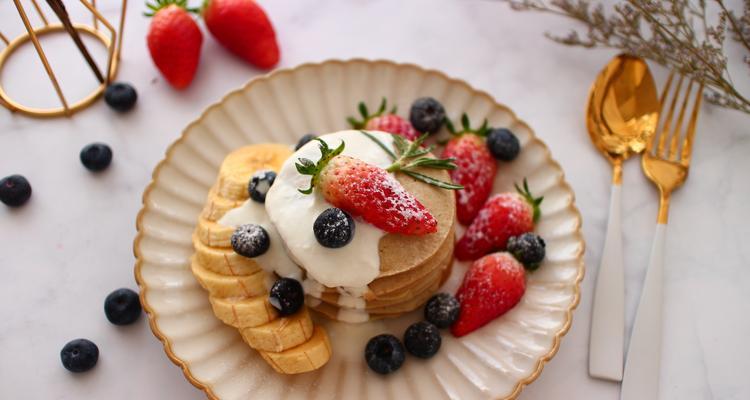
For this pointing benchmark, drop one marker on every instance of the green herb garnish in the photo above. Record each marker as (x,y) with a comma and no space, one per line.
(411,155)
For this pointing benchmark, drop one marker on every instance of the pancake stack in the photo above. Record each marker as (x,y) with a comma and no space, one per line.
(412,268)
(237,286)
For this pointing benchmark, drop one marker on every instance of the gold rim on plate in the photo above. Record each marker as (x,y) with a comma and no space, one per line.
(168,154)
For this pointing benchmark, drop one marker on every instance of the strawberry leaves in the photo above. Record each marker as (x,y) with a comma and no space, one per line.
(533,201)
(159,4)
(366,116)
(482,131)
(305,166)
(410,155)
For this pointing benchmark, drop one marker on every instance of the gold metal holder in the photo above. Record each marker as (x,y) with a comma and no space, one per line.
(111,41)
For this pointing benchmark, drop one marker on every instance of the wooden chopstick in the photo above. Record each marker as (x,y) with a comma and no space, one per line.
(59,8)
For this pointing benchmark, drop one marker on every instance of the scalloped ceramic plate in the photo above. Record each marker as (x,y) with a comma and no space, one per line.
(494,362)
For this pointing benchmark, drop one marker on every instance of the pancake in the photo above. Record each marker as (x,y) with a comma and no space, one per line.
(331,311)
(400,253)
(385,285)
(397,286)
(396,254)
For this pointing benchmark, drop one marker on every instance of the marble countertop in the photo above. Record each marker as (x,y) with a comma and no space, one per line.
(71,245)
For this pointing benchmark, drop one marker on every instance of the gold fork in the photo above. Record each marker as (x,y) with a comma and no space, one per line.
(666,162)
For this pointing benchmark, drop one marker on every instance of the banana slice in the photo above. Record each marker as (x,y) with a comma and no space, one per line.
(241,164)
(223,261)
(213,234)
(306,357)
(243,312)
(230,285)
(216,206)
(280,334)
(237,285)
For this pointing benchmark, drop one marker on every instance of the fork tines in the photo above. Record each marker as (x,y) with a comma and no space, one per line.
(665,143)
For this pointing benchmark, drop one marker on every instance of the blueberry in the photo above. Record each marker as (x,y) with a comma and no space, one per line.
(79,355)
(529,249)
(250,240)
(422,339)
(287,296)
(442,310)
(427,115)
(96,156)
(303,140)
(15,190)
(334,228)
(503,144)
(384,354)
(122,307)
(259,185)
(120,96)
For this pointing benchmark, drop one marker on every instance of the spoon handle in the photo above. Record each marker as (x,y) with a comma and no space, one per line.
(608,317)
(641,380)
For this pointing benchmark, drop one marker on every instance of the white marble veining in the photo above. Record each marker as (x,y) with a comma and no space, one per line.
(63,252)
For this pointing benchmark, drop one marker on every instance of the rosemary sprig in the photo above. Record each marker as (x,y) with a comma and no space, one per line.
(410,155)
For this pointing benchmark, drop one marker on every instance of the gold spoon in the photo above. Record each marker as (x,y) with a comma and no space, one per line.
(622,113)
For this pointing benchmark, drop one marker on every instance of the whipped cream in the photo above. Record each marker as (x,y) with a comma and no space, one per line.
(293,213)
(276,258)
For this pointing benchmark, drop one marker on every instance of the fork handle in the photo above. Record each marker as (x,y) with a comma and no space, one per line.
(608,316)
(641,379)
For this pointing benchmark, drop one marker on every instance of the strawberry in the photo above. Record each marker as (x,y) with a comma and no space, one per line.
(380,121)
(243,28)
(504,215)
(371,192)
(476,168)
(368,191)
(492,285)
(174,41)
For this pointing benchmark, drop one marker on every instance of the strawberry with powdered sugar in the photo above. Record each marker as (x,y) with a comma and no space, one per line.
(502,216)
(371,192)
(491,287)
(476,168)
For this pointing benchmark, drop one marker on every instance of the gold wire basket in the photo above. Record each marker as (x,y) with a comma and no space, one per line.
(111,41)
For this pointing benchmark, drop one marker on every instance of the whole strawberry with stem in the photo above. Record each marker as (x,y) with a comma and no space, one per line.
(492,286)
(475,167)
(503,215)
(242,27)
(371,192)
(382,120)
(174,41)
